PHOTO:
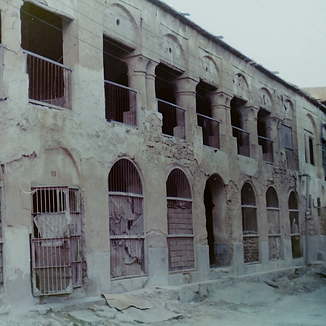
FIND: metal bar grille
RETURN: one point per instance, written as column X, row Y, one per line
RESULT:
column 120, row 103
column 56, row 242
column 243, row 141
column 267, row 147
column 210, row 129
column 180, row 226
column 126, row 221
column 49, row 81
column 173, row 119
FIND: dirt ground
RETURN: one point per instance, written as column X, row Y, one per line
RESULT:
column 292, row 299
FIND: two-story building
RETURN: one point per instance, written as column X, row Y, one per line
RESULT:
column 137, row 149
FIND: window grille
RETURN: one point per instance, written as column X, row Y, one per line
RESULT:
column 56, row 243
column 126, row 221
column 249, row 224
column 274, row 226
column 180, row 227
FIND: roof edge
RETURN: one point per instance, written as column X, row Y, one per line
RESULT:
column 237, row 53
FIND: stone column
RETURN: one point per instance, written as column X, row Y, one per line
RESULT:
column 137, row 66
column 249, row 119
column 186, row 98
column 151, row 101
column 221, row 112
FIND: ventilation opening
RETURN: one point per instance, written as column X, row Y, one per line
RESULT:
column 173, row 115
column 120, row 99
column 242, row 136
column 210, row 126
column 42, row 40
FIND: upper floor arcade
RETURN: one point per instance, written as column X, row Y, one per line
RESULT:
column 202, row 90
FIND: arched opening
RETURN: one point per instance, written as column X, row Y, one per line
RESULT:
column 214, row 199
column 274, row 226
column 180, row 228
column 294, row 225
column 126, row 220
column 249, row 224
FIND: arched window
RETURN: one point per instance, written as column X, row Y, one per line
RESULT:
column 294, row 225
column 249, row 224
column 274, row 227
column 126, row 220
column 180, row 228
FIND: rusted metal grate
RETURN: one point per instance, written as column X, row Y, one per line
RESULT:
column 56, row 242
column 49, row 81
column 126, row 221
column 180, row 226
column 121, row 103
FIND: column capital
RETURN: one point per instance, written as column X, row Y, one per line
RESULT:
column 186, row 84
column 137, row 63
column 221, row 98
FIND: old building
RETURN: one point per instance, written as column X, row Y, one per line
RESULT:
column 137, row 150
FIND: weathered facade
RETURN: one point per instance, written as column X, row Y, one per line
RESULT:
column 137, row 150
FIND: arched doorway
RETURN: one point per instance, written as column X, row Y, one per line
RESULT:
column 214, row 200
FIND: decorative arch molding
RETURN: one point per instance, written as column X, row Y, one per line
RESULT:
column 265, row 99
column 209, row 70
column 241, row 86
column 172, row 51
column 120, row 23
column 288, row 108
column 310, row 124
column 57, row 166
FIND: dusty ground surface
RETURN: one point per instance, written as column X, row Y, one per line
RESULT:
column 291, row 299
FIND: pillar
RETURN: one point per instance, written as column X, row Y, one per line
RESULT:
column 186, row 98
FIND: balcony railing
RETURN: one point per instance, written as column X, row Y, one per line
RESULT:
column 49, row 81
column 267, row 147
column 211, row 130
column 243, row 141
column 173, row 119
column 290, row 159
column 120, row 103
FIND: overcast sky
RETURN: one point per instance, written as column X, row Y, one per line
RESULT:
column 288, row 36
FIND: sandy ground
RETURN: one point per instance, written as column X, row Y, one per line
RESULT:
column 296, row 299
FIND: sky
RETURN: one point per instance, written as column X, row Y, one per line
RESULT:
column 287, row 36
